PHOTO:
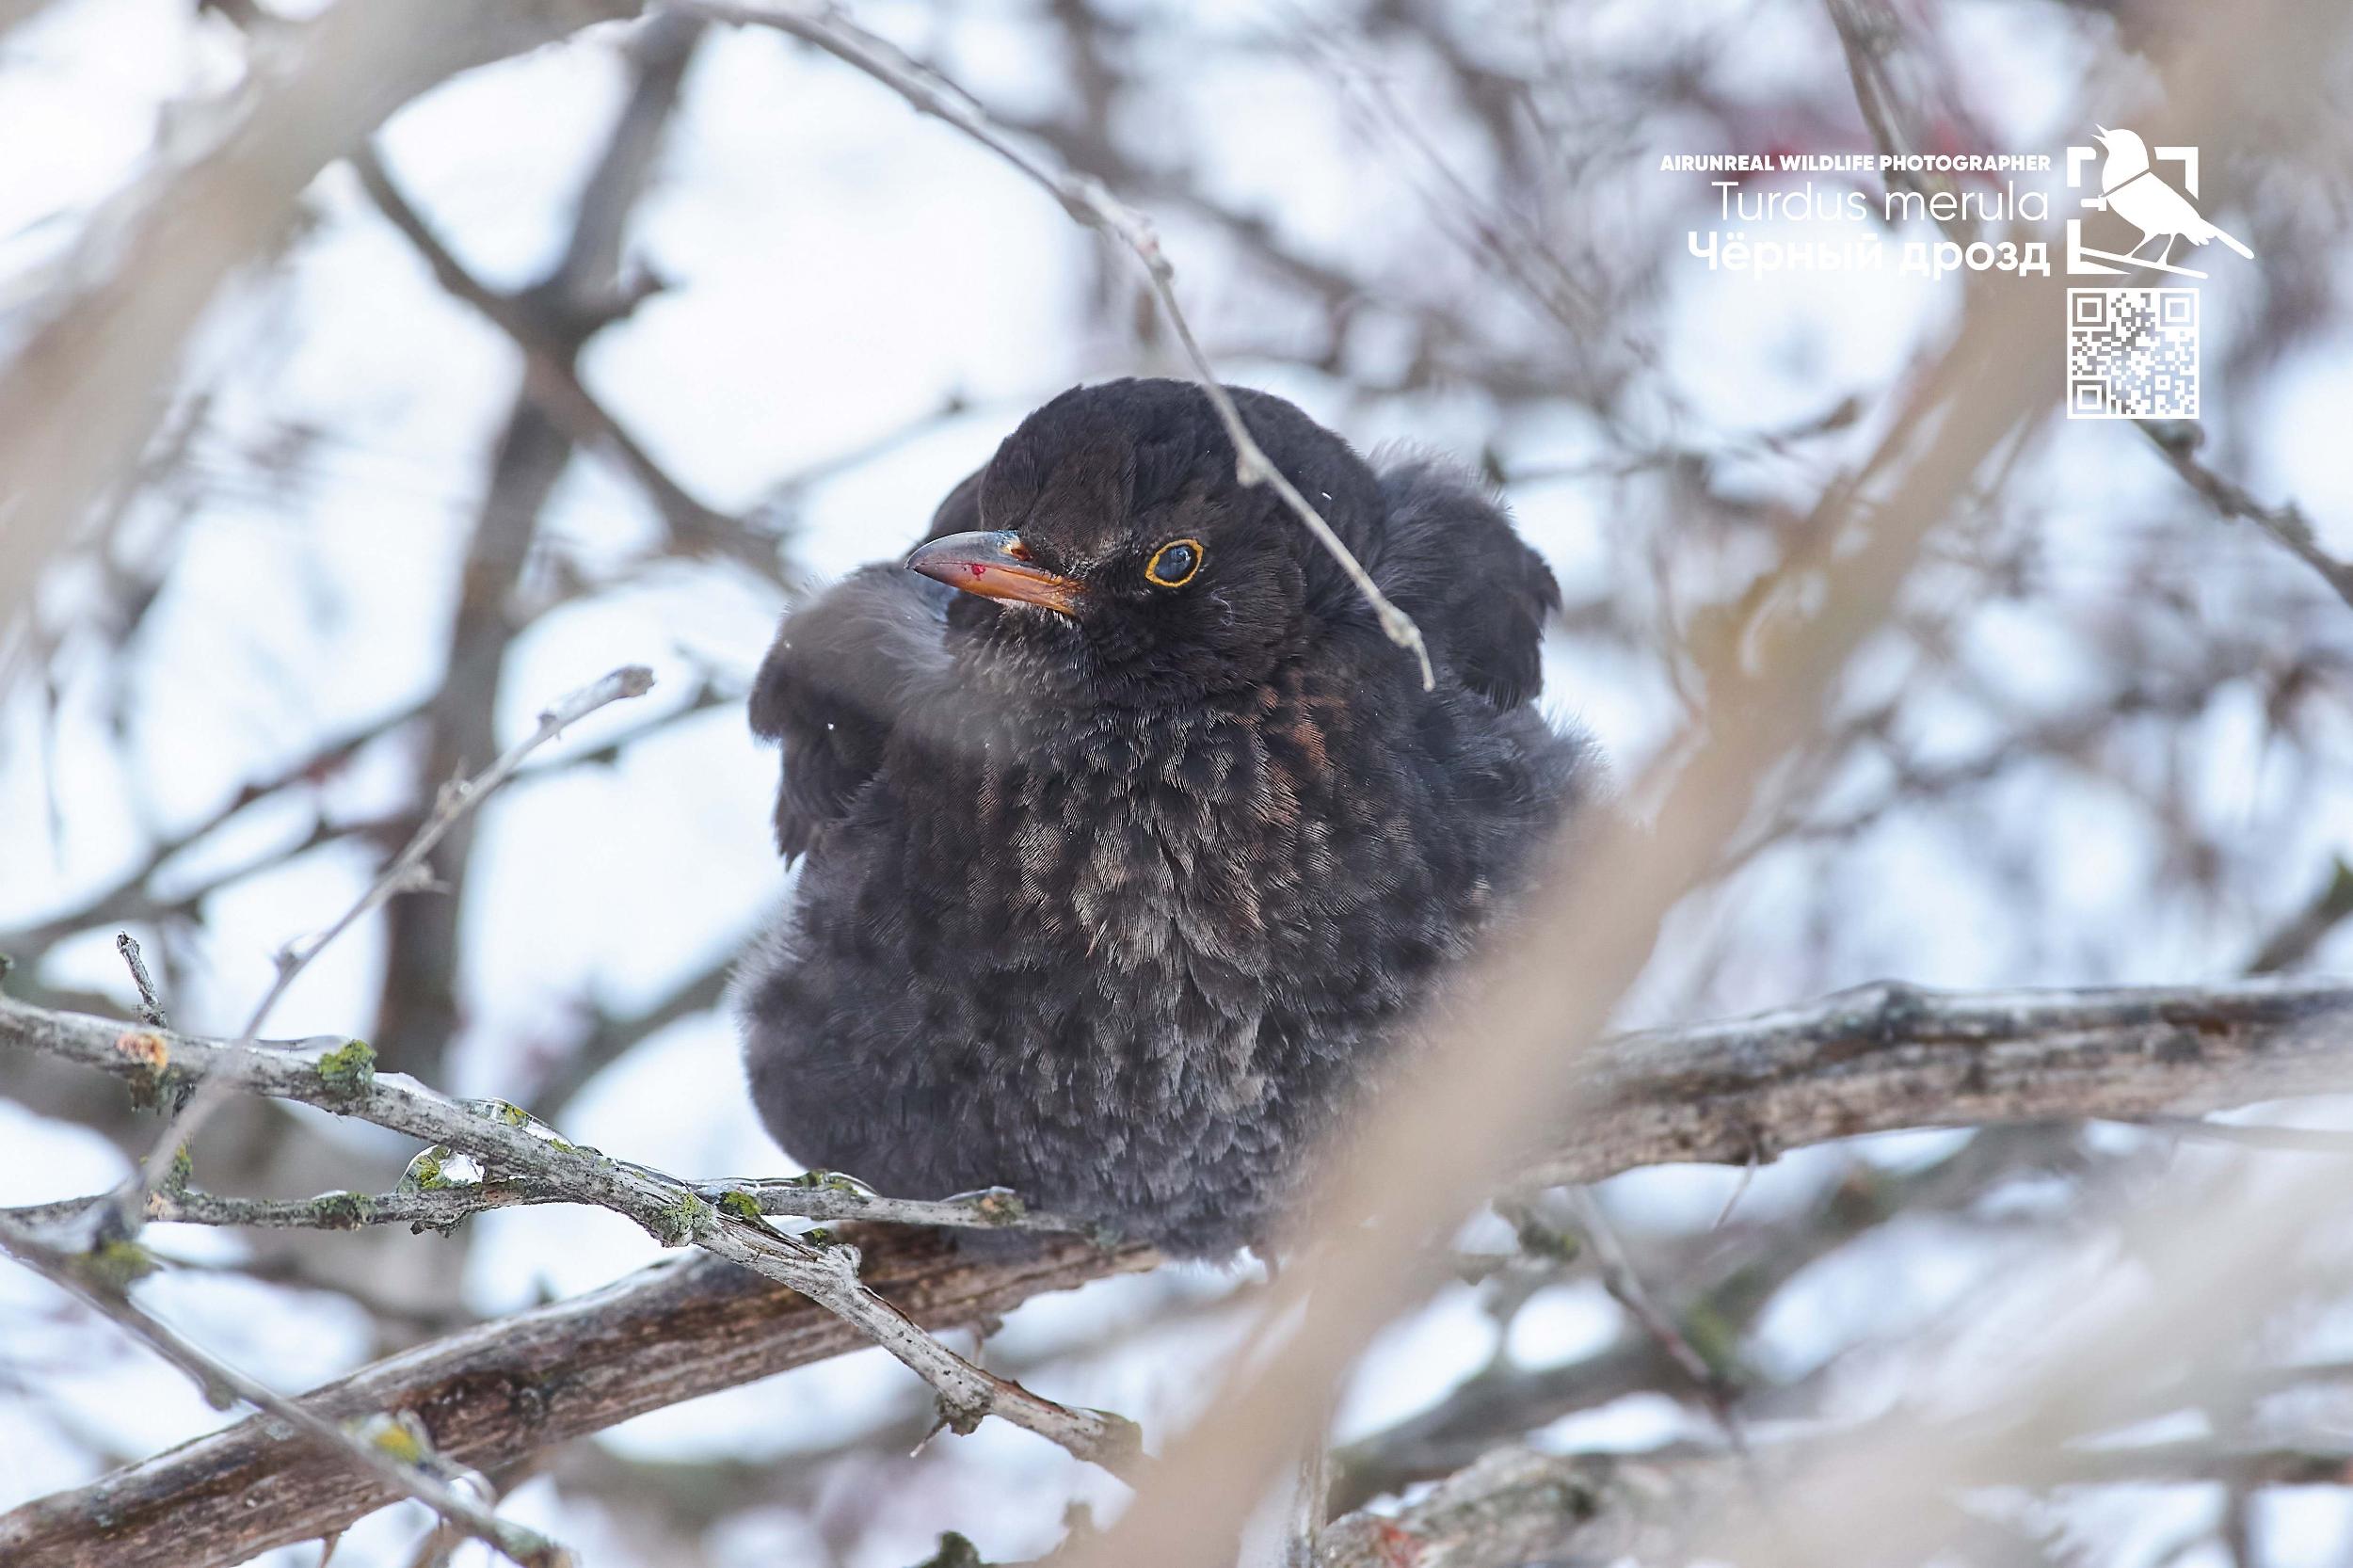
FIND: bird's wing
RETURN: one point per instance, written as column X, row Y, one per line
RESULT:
column 845, row 667
column 1447, row 555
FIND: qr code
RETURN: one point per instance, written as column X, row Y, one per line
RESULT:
column 2131, row 353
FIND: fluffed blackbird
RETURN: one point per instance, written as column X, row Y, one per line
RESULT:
column 1127, row 863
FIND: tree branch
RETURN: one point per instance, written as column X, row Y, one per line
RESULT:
column 581, row 294
column 2177, row 441
column 1876, row 1060
column 512, row 1146
column 1891, row 1056
column 355, row 1451
column 818, row 1195
column 457, row 797
column 1515, row 1507
column 679, row 1329
column 551, row 381
column 130, row 898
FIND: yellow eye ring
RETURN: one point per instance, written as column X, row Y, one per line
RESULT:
column 1184, row 556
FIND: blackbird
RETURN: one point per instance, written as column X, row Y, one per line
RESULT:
column 1133, row 844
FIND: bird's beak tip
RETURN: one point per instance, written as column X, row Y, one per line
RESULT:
column 992, row 565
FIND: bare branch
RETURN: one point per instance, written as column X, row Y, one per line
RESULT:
column 2177, row 441
column 1883, row 1058
column 552, row 381
column 671, row 1210
column 458, row 797
column 130, row 898
column 150, row 1009
column 127, row 898
column 1514, row 1506
column 679, row 1329
column 1893, row 1056
column 611, row 1036
column 2298, row 939
column 818, row 1196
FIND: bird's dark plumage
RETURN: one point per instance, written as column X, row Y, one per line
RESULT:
column 1127, row 866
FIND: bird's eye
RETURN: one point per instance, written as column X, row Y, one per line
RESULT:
column 1174, row 564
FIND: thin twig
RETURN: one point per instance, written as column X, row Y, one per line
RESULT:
column 1088, row 201
column 151, row 1010
column 2286, row 1140
column 123, row 900
column 458, row 797
column 2297, row 940
column 2177, row 441
column 128, row 899
column 1624, row 1284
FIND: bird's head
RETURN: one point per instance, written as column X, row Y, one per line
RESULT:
column 1116, row 544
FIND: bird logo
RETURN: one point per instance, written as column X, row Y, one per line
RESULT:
column 2131, row 187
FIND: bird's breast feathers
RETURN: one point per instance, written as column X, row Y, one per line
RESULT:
column 1155, row 846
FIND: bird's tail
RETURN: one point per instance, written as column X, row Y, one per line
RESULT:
column 2234, row 245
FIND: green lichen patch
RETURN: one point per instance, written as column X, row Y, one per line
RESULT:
column 741, row 1203
column 348, row 1070
column 182, row 1171
column 342, row 1210
column 401, row 1437
column 831, row 1181
column 678, row 1223
column 424, row 1174
column 113, row 1265
column 955, row 1551
column 440, row 1169
column 1539, row 1240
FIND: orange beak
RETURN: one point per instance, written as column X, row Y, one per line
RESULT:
column 995, row 565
